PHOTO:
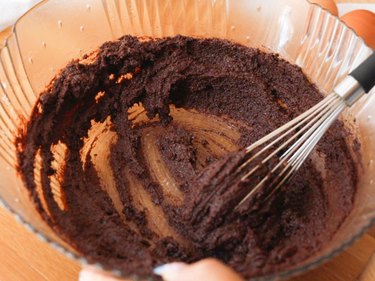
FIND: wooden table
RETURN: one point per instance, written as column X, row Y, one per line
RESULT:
column 23, row 257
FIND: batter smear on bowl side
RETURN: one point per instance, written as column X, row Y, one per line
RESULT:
column 115, row 151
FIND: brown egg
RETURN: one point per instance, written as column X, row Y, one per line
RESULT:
column 363, row 23
column 329, row 5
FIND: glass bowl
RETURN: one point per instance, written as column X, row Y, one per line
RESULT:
column 54, row 32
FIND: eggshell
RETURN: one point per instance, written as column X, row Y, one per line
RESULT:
column 329, row 5
column 363, row 23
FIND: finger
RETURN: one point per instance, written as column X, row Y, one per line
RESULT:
column 92, row 274
column 208, row 270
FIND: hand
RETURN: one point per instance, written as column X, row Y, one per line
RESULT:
column 208, row 270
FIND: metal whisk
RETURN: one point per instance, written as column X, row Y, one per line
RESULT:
column 284, row 150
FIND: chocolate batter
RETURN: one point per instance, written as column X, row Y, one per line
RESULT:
column 128, row 155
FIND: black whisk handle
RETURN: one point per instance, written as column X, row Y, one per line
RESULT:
column 365, row 73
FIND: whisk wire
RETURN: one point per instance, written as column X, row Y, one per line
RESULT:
column 311, row 126
column 295, row 165
column 320, row 132
column 299, row 136
column 320, row 108
column 314, row 129
column 316, row 113
column 296, row 120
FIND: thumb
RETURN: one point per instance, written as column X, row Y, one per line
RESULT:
column 90, row 273
column 208, row 270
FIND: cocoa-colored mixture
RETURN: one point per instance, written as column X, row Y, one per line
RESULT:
column 115, row 151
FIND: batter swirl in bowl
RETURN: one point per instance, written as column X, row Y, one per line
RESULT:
column 114, row 150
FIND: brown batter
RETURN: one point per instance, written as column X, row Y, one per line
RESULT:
column 116, row 148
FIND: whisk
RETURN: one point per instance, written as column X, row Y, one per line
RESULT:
column 282, row 152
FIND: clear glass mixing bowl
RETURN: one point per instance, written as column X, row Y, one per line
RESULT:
column 54, row 32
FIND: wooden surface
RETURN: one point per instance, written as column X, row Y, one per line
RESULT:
column 23, row 257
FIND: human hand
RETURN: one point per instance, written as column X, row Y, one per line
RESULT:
column 208, row 270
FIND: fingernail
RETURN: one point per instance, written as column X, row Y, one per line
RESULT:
column 85, row 275
column 91, row 273
column 169, row 271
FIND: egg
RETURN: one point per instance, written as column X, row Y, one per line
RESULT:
column 363, row 23
column 329, row 5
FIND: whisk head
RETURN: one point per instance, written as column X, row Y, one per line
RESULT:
column 272, row 160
